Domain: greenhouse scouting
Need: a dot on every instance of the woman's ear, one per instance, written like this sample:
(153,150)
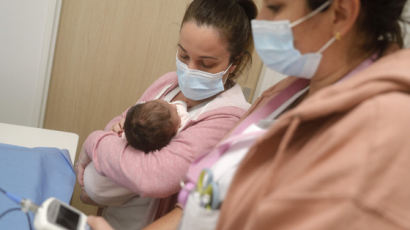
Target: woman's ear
(235,62)
(345,15)
(232,68)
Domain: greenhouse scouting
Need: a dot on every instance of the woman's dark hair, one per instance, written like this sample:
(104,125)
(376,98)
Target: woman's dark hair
(379,21)
(232,19)
(148,126)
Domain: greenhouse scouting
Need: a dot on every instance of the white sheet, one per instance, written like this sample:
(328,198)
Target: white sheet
(36,137)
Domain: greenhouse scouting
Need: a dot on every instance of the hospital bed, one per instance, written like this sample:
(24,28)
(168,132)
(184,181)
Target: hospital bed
(36,137)
(35,164)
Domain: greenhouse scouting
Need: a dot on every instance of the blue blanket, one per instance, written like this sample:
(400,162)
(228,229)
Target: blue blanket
(33,173)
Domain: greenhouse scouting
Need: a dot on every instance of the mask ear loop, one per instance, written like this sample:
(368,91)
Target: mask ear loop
(329,43)
(337,37)
(228,73)
(311,14)
(227,69)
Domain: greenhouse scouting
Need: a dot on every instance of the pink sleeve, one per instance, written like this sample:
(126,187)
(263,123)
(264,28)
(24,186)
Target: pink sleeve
(115,120)
(150,93)
(159,173)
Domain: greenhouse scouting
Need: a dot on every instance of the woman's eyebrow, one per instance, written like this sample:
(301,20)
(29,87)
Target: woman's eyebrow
(208,57)
(203,57)
(182,48)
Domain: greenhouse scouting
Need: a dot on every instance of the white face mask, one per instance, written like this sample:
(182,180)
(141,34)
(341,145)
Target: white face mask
(198,85)
(274,44)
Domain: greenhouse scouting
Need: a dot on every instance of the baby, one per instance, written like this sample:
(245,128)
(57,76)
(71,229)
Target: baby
(151,125)
(147,127)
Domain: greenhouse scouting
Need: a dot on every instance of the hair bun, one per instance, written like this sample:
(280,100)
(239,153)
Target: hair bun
(249,7)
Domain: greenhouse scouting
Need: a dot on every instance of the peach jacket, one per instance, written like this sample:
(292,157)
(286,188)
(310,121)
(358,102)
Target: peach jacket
(338,160)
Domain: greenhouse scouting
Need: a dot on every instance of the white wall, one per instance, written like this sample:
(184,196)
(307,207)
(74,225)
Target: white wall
(267,79)
(27,39)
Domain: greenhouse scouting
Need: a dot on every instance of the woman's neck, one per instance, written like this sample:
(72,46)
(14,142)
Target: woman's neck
(190,103)
(336,71)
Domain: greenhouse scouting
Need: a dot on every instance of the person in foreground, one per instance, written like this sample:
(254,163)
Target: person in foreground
(215,45)
(331,152)
(338,159)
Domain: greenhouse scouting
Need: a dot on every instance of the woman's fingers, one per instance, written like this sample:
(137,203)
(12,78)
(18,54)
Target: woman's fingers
(98,223)
(80,174)
(82,162)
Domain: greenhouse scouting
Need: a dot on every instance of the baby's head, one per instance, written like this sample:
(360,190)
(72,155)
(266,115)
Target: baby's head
(151,125)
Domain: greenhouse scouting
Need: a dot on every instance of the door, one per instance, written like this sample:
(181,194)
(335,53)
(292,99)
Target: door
(27,40)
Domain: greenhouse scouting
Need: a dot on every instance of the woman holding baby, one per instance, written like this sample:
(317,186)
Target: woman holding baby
(215,45)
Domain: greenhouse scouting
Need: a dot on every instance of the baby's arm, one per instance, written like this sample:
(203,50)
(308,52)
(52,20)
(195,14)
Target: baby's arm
(116,120)
(102,190)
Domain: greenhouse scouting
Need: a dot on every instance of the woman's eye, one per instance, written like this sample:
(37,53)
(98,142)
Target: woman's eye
(274,8)
(184,57)
(206,65)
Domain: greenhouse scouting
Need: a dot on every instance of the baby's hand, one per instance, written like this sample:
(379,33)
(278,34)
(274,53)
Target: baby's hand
(119,127)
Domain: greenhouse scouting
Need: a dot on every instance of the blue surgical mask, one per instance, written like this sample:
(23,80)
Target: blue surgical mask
(198,85)
(274,44)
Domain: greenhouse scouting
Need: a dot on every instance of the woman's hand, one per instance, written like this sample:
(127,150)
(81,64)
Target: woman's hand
(98,223)
(119,127)
(82,162)
(170,221)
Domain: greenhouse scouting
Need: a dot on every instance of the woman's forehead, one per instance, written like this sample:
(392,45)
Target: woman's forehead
(202,40)
(289,9)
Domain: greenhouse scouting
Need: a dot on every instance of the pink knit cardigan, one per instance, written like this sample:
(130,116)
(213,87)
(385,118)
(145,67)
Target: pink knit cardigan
(158,174)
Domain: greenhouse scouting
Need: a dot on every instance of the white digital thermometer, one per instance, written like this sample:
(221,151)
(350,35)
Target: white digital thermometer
(56,215)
